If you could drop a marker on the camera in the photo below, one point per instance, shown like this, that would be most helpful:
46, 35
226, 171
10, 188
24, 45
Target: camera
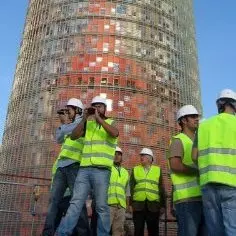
91, 110
62, 111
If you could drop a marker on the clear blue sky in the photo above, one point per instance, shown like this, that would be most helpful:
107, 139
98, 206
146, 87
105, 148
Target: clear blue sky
216, 40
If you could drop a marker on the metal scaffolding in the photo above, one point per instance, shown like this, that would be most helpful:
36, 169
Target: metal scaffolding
139, 54
22, 220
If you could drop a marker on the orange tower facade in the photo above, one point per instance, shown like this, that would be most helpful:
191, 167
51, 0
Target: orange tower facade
140, 55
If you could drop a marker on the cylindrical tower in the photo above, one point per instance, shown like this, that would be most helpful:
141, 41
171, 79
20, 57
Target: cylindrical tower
139, 54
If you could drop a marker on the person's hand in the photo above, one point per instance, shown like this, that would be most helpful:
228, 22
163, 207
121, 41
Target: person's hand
85, 114
64, 119
98, 117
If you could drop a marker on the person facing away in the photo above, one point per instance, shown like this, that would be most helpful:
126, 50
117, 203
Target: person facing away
214, 150
184, 176
147, 194
67, 164
100, 140
117, 194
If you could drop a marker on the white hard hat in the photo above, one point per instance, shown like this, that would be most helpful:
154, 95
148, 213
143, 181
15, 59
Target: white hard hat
227, 93
186, 110
147, 151
99, 99
118, 149
75, 102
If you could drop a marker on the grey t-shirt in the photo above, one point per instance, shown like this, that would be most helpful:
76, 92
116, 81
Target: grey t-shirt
176, 149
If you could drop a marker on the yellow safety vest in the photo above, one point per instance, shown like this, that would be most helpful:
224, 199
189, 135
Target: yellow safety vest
99, 146
71, 149
185, 186
117, 188
217, 150
147, 184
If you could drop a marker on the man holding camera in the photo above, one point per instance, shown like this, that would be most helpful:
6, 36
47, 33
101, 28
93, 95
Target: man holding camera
67, 163
97, 159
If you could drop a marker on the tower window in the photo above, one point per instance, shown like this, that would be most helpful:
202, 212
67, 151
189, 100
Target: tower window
104, 81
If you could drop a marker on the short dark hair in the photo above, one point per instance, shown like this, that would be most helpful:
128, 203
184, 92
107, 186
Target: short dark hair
185, 117
223, 102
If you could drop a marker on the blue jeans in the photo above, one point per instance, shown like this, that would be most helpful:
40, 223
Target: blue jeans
190, 219
219, 202
89, 178
64, 177
81, 228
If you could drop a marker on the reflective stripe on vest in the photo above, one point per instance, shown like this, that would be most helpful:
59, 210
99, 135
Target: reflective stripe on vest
228, 151
99, 146
96, 142
217, 150
117, 187
72, 149
147, 184
185, 186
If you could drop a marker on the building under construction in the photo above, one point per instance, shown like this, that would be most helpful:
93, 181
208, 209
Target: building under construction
139, 54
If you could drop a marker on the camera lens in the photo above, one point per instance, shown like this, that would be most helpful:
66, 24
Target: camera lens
91, 110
